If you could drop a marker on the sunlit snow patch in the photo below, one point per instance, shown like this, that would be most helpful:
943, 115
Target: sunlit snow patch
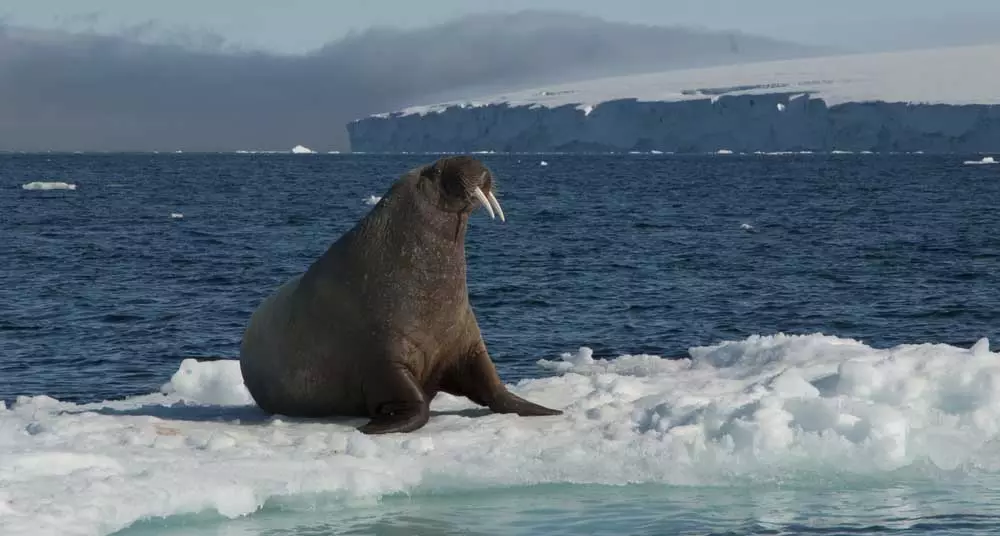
763, 409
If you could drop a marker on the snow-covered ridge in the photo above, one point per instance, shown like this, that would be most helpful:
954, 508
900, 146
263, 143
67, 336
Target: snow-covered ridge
929, 100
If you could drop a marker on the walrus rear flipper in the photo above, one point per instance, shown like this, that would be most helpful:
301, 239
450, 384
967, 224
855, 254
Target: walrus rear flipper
396, 403
508, 402
476, 378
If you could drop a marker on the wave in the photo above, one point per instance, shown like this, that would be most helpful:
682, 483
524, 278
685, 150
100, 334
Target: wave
759, 410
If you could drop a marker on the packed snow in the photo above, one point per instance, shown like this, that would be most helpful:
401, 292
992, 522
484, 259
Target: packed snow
43, 185
764, 409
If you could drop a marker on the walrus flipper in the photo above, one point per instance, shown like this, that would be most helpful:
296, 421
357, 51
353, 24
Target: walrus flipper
508, 402
395, 402
475, 378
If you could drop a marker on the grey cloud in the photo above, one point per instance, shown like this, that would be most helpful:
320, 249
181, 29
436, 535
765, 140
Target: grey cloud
63, 91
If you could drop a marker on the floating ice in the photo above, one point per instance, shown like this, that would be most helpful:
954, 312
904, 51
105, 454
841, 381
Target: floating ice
985, 161
723, 151
765, 409
543, 163
176, 215
747, 227
42, 185
300, 149
373, 200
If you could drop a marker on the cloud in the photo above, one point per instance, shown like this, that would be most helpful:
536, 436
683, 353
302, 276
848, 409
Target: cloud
192, 91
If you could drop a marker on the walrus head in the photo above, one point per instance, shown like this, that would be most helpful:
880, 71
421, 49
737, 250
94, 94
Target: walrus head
460, 184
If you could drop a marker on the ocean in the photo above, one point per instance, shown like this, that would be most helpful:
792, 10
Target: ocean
742, 344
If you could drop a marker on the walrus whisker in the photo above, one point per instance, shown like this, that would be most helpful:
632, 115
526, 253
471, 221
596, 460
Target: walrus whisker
485, 202
496, 205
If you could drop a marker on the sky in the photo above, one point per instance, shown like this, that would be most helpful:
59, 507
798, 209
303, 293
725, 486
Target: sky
299, 25
72, 91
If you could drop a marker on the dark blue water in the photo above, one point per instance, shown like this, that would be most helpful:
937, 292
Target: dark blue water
103, 293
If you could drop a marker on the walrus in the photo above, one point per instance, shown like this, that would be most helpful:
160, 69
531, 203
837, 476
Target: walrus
381, 321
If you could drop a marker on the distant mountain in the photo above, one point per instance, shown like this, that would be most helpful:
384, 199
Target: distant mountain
61, 91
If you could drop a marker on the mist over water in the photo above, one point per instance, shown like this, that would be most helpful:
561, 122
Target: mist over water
71, 91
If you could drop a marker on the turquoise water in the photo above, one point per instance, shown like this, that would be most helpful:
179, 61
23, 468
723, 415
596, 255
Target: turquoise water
795, 508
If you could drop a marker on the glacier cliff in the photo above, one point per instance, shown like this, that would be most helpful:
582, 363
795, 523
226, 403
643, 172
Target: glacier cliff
945, 100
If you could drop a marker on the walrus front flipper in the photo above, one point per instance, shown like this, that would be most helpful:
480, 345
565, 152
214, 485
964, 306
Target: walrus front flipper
475, 378
395, 402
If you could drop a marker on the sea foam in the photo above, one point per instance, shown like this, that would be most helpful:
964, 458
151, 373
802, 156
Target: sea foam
761, 410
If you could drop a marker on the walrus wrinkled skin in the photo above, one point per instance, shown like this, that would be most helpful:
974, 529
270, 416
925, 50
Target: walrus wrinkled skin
381, 322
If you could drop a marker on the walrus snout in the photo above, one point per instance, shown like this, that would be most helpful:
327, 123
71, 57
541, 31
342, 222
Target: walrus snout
463, 180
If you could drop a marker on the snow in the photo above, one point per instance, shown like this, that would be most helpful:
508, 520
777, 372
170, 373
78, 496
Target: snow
762, 409
933, 100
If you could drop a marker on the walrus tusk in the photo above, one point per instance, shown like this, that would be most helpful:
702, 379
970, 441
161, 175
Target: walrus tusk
486, 203
496, 205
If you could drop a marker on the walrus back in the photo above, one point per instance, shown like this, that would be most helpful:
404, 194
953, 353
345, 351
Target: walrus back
291, 358
261, 348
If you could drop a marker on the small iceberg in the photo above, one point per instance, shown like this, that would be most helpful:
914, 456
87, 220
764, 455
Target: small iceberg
41, 185
723, 151
373, 200
986, 160
543, 163
301, 149
176, 215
